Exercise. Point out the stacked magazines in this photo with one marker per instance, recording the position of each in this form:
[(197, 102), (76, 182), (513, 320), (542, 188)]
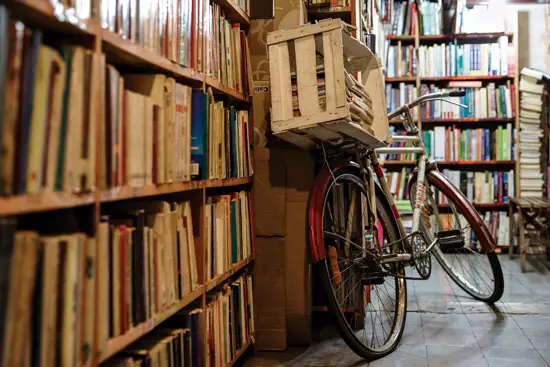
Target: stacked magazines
[(358, 100), (531, 176)]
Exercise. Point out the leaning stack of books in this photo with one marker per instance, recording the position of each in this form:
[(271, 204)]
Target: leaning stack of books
[(531, 176)]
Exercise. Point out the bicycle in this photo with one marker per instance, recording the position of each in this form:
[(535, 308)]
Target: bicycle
[(359, 248)]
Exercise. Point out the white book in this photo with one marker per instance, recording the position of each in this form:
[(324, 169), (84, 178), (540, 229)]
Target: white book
[(439, 132)]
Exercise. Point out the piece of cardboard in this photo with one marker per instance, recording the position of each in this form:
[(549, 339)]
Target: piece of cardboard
[(269, 290), (269, 192), (261, 105), (300, 173), (298, 276)]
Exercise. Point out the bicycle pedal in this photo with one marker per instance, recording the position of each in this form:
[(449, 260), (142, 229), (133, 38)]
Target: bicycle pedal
[(451, 239), (373, 279)]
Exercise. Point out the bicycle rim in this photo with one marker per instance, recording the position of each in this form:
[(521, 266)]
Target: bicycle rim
[(370, 318), (473, 269)]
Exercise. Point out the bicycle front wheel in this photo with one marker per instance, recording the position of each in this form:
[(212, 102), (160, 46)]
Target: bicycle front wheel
[(470, 262), (368, 308)]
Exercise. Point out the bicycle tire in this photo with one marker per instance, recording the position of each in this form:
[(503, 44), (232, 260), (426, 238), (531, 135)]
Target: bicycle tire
[(322, 269), (457, 199)]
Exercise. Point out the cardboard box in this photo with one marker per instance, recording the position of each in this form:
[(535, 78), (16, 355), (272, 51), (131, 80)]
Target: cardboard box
[(298, 276), (269, 192), (269, 290)]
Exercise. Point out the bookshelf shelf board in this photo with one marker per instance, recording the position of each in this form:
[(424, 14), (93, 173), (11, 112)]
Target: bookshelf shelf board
[(213, 283), (465, 78), (234, 12), (457, 36), (401, 79), (240, 353), (499, 205), (123, 51), (467, 120), (118, 343), (125, 192), (218, 86), (40, 13), (452, 163), (42, 202), (334, 11)]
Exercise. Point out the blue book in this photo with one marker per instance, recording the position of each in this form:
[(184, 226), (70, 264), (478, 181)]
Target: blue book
[(67, 56), (31, 56), (199, 129), (505, 187)]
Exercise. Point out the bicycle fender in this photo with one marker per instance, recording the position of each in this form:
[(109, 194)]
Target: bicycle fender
[(316, 198)]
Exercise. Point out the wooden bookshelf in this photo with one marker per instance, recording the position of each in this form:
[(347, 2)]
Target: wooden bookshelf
[(118, 343), (499, 205), (468, 121), (406, 79), (131, 57), (234, 13), (464, 78), (451, 163), (216, 281), (239, 354), (443, 37), (46, 201)]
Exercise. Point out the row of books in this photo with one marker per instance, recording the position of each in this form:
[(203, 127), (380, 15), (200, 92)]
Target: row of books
[(47, 114), (151, 260), (403, 94), (398, 156), (454, 144), (47, 312), (406, 15), (226, 50), (482, 187), (173, 29), (177, 133), (401, 61), (329, 2), (228, 235), (497, 222), (531, 133), (469, 59), (229, 322), (491, 101)]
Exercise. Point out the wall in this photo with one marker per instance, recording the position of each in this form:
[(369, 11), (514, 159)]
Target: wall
[(532, 34)]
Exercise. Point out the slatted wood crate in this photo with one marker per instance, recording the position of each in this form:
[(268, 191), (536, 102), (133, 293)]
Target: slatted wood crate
[(306, 107)]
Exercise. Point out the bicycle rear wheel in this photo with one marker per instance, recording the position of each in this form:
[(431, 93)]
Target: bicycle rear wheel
[(370, 317), (471, 263)]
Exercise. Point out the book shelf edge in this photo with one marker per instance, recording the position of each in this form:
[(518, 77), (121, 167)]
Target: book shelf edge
[(120, 342)]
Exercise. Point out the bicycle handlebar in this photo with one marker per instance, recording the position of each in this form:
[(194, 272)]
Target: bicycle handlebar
[(425, 98)]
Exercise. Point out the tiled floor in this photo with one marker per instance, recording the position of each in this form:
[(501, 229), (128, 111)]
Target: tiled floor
[(445, 327)]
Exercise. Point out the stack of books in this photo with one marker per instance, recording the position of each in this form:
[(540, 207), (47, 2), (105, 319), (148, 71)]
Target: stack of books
[(47, 123), (229, 322), (228, 235), (497, 222), (399, 184), (530, 134), (491, 101), (454, 144), (359, 102)]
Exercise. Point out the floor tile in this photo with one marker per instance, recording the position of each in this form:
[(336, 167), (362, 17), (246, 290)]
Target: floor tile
[(462, 362), (510, 353), (488, 337), (449, 337), (545, 353), (515, 363), (454, 352), (393, 361)]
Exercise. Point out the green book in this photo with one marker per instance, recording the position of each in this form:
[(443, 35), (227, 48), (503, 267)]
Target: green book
[(402, 188), (67, 56), (499, 143)]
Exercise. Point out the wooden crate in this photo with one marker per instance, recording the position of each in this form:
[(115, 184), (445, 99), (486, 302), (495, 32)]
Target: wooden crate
[(300, 53)]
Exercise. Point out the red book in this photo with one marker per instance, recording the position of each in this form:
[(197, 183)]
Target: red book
[(500, 187), (413, 19), (513, 98), (156, 113), (193, 54)]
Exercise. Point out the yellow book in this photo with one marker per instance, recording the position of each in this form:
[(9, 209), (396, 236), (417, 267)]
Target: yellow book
[(39, 119)]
